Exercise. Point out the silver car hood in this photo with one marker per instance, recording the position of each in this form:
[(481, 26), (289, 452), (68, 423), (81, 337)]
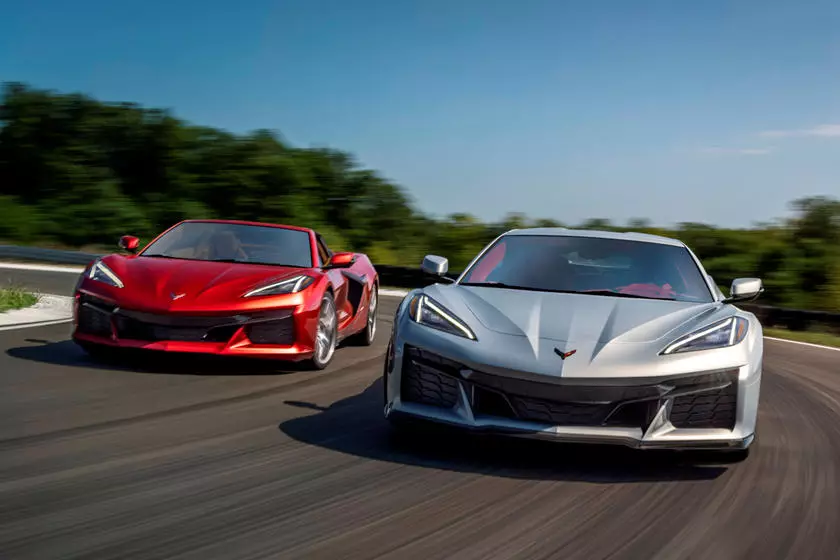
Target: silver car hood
[(524, 329)]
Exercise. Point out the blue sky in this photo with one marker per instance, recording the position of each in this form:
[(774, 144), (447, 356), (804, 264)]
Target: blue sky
[(711, 111)]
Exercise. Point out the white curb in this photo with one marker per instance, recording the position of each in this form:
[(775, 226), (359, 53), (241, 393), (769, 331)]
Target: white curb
[(49, 310)]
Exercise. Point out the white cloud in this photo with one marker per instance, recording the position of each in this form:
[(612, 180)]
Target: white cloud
[(737, 151), (822, 130)]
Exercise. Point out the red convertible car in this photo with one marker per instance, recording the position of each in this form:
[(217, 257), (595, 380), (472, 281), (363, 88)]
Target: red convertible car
[(231, 288)]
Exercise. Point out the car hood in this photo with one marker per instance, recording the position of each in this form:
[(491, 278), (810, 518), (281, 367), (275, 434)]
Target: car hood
[(521, 330), (154, 283), (563, 317)]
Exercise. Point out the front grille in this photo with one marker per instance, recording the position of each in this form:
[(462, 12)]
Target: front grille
[(425, 380), (704, 400), (715, 409), (561, 413), (96, 317), (133, 329), (148, 327)]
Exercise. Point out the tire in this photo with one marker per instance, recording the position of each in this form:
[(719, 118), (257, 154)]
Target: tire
[(366, 336), (326, 334)]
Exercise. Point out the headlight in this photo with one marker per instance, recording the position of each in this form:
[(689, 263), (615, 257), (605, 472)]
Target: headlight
[(102, 273), (728, 332), (426, 311), (287, 286)]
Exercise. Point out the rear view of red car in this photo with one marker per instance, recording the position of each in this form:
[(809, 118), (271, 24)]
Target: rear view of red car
[(230, 288)]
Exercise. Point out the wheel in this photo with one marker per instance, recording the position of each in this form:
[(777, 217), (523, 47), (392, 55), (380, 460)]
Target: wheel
[(366, 336), (326, 336)]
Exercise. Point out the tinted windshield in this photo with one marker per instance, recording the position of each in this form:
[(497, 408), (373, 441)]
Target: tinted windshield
[(209, 241), (598, 266)]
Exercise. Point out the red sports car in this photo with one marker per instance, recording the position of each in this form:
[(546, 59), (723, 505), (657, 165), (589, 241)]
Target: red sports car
[(230, 288)]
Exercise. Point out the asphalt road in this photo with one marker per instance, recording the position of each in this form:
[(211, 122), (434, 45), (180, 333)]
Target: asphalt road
[(196, 459)]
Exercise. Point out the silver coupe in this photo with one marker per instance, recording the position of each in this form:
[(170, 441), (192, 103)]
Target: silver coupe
[(580, 336)]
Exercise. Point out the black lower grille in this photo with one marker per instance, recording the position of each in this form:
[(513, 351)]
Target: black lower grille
[(280, 332), (94, 316), (425, 381), (133, 329), (714, 409), (94, 322), (706, 400), (561, 413)]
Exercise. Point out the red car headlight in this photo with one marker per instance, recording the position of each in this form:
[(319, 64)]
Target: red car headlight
[(287, 286)]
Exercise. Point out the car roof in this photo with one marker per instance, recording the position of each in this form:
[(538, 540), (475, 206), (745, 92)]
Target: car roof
[(246, 223), (598, 234)]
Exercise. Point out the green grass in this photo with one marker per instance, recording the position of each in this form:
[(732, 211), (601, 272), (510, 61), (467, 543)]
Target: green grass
[(15, 298), (824, 339)]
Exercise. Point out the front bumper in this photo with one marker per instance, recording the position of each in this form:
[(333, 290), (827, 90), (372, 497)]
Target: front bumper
[(274, 333), (705, 411)]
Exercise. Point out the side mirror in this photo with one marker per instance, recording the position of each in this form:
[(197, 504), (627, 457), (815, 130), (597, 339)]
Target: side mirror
[(129, 243), (435, 265), (341, 260), (745, 289)]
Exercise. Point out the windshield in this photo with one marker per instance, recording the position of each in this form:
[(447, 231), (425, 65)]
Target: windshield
[(591, 265), (212, 241)]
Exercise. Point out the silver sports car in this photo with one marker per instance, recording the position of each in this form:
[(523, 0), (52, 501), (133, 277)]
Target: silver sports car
[(582, 336)]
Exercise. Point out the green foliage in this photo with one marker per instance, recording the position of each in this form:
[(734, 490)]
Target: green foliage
[(75, 171), (15, 298)]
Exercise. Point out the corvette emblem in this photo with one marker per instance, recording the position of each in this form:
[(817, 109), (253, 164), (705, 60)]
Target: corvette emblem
[(175, 296), (564, 355)]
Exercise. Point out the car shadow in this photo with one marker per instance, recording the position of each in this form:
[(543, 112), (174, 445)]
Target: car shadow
[(355, 426), (67, 353)]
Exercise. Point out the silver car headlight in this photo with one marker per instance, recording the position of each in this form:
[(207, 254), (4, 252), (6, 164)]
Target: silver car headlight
[(101, 273), (287, 286), (424, 310), (723, 334)]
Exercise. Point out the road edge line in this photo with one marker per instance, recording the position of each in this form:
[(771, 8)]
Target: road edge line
[(810, 344)]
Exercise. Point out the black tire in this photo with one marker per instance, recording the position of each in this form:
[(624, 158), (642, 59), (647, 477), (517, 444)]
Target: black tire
[(325, 334), (366, 336)]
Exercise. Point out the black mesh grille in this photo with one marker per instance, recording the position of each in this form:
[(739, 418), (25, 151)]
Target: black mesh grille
[(280, 332), (430, 379), (714, 409), (561, 413), (94, 316), (425, 381), (92, 321), (133, 329)]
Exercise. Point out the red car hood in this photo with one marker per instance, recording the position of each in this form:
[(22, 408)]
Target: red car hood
[(172, 284)]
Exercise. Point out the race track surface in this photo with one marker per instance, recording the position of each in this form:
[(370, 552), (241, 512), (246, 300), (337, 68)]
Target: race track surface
[(204, 460)]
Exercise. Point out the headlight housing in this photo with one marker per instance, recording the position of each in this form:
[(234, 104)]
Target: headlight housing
[(424, 310), (101, 273), (288, 286), (722, 334)]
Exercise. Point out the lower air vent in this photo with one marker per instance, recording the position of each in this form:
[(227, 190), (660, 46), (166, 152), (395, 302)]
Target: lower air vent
[(424, 383), (560, 413), (714, 409), (93, 321), (94, 316), (279, 333)]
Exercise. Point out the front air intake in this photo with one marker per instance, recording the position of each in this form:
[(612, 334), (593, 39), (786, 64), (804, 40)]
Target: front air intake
[(428, 379)]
